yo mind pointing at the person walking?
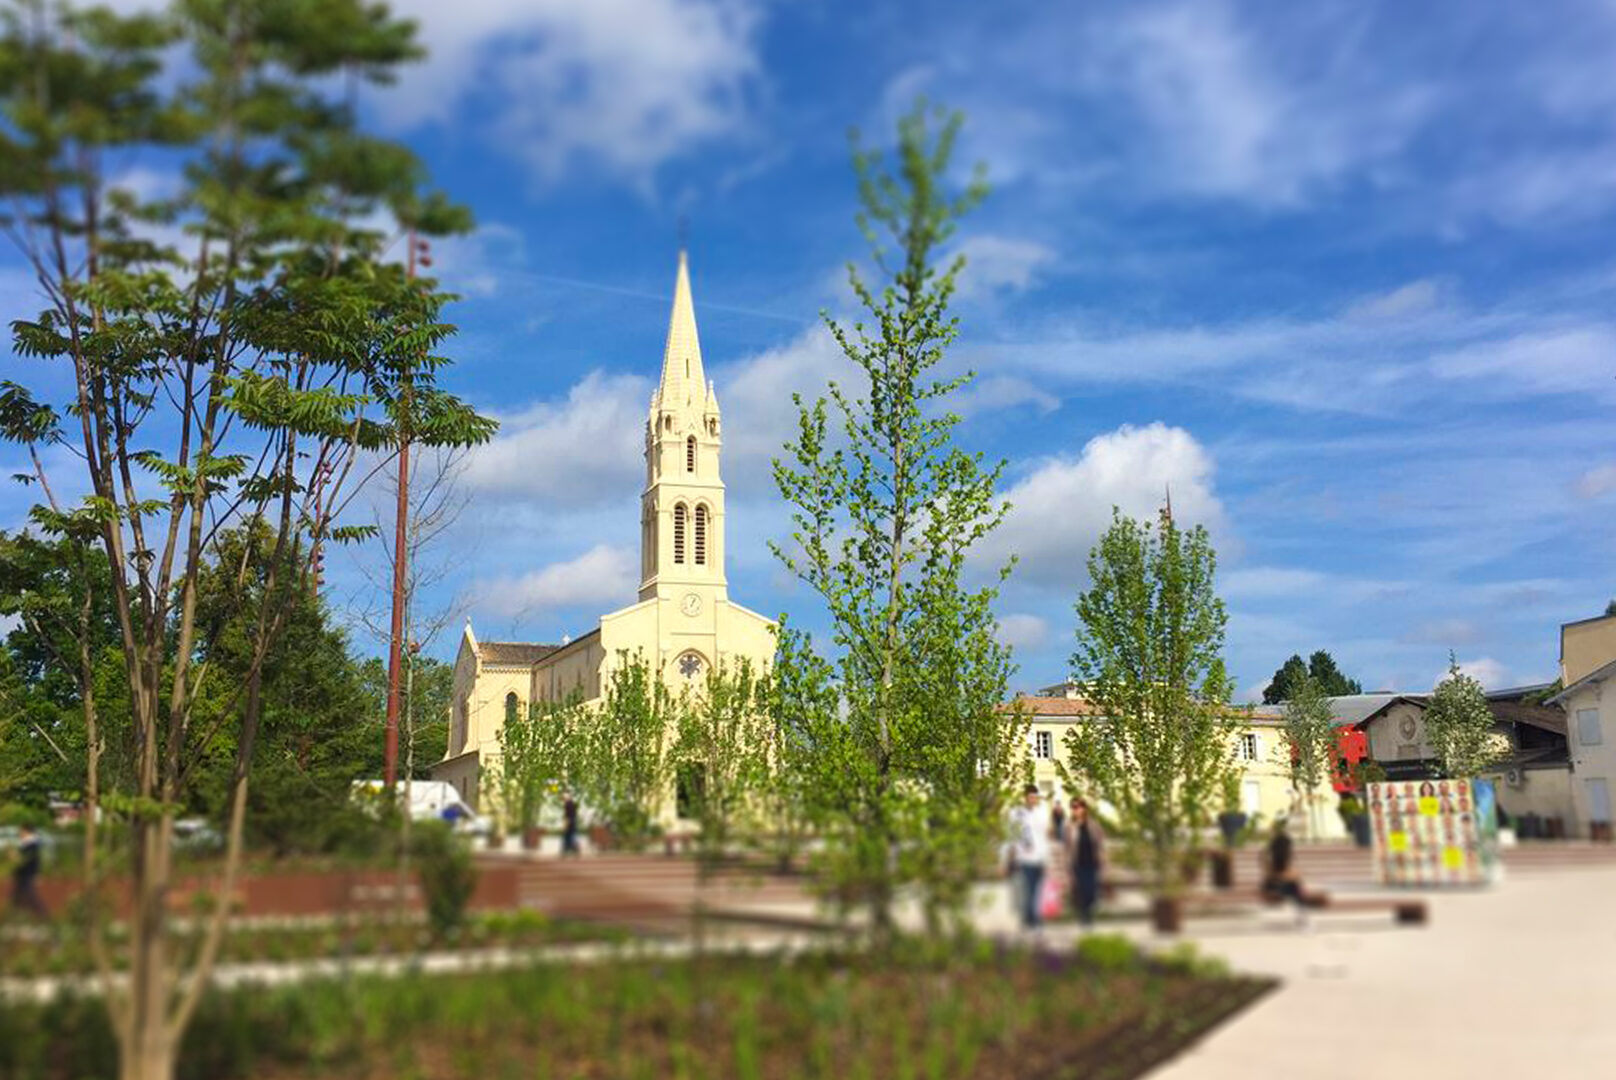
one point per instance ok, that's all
(1086, 849)
(569, 832)
(1057, 814)
(1029, 855)
(25, 875)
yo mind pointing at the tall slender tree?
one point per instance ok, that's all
(1309, 735)
(908, 754)
(1161, 743)
(233, 356)
(1460, 727)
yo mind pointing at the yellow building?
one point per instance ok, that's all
(1265, 786)
(684, 622)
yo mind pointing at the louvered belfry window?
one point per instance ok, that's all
(679, 534)
(701, 536)
(690, 454)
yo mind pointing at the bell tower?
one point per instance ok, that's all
(682, 510)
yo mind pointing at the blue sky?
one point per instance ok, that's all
(1340, 273)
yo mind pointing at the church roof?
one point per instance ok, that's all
(684, 381)
(513, 652)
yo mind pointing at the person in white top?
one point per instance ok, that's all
(1029, 849)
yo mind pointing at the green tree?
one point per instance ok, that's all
(1309, 736)
(1322, 669)
(1149, 658)
(1610, 608)
(1286, 678)
(625, 763)
(231, 378)
(1459, 725)
(907, 754)
(723, 752)
(538, 759)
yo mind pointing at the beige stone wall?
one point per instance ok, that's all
(1591, 761)
(1586, 646)
(1398, 734)
(572, 670)
(1265, 783)
(1544, 792)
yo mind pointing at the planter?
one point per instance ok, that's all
(496, 841)
(1167, 914)
(1599, 832)
(1230, 822)
(600, 838)
(1222, 869)
(532, 838)
(1358, 825)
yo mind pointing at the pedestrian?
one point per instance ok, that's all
(25, 875)
(1280, 879)
(1057, 814)
(1086, 848)
(569, 832)
(1029, 855)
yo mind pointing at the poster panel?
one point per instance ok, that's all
(1434, 832)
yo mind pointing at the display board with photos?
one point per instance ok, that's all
(1434, 832)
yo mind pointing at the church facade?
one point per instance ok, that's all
(684, 622)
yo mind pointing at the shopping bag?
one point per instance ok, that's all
(1052, 898)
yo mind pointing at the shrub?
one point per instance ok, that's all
(1109, 952)
(447, 877)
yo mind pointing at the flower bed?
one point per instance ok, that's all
(962, 1011)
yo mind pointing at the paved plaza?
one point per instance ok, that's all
(1511, 981)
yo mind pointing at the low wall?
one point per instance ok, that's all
(301, 893)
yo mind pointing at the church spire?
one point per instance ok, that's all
(683, 380)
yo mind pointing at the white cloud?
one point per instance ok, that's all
(1492, 674)
(996, 392)
(1062, 507)
(1000, 264)
(1415, 298)
(1598, 481)
(1254, 116)
(622, 85)
(582, 451)
(1578, 359)
(1021, 631)
(603, 575)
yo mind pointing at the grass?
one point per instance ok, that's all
(920, 1013)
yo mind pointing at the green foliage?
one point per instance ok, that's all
(894, 722)
(724, 746)
(538, 760)
(448, 876)
(1459, 725)
(624, 765)
(1320, 667)
(1149, 659)
(1309, 736)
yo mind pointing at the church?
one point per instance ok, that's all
(684, 621)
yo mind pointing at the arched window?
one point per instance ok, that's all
(701, 536)
(512, 705)
(679, 534)
(690, 454)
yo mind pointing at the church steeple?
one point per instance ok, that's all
(684, 382)
(682, 519)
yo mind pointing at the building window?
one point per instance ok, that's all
(1043, 745)
(1247, 750)
(690, 454)
(1588, 733)
(512, 705)
(679, 534)
(701, 536)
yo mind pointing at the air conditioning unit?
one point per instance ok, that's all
(1514, 777)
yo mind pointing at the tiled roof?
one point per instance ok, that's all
(1040, 705)
(513, 652)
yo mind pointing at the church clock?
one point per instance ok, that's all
(690, 605)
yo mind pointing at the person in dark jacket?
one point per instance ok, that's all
(1085, 846)
(1280, 879)
(569, 831)
(25, 875)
